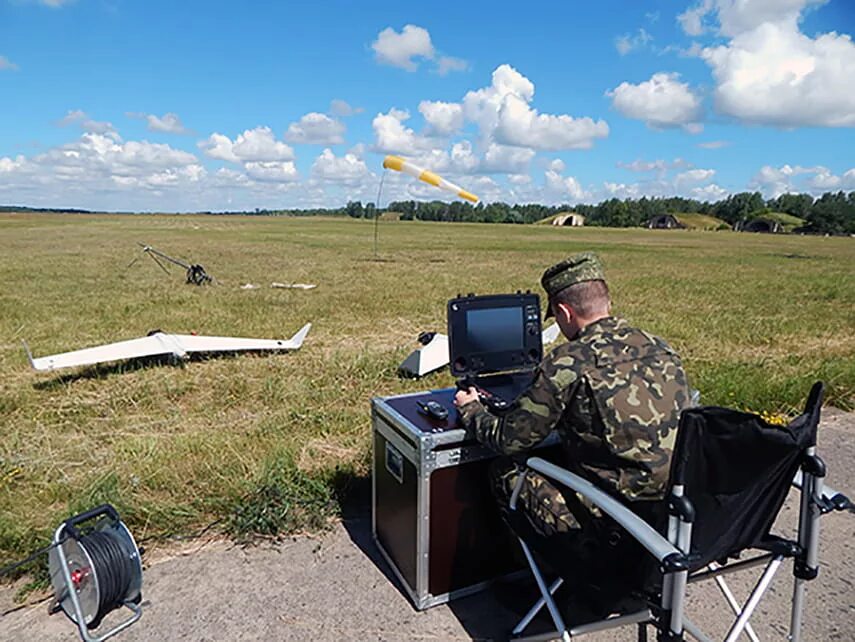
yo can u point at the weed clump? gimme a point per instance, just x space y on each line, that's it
283 499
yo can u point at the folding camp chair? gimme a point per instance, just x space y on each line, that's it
730 474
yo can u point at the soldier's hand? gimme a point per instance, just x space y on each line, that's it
463 397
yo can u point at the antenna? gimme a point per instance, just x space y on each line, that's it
195 273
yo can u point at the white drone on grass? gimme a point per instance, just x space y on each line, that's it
157 344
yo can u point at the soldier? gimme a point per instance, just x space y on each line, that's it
612 392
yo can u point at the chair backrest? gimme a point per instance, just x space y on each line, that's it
737 469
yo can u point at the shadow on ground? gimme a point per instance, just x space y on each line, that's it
488 615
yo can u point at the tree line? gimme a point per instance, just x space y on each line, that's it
831 213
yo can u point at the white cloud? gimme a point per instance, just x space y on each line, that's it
825 180
482 105
400 49
447 64
253 145
739 16
10 165
503 113
444 119
7 65
624 190
347 169
714 144
403 49
274 171
78 117
565 187
218 146
55 4
392 136
711 192
343 109
690 183
661 102
169 123
316 129
462 159
774 181
627 42
521 125
692 19
506 159
770 73
775 75
98 163
693 177
658 165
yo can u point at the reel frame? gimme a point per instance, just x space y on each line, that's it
68 530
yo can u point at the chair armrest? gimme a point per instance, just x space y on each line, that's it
668 555
831 499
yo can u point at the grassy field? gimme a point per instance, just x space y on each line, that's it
265 443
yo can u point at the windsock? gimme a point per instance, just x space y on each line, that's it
400 165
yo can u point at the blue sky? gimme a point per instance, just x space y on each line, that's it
183 106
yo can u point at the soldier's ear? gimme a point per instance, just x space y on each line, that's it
565 311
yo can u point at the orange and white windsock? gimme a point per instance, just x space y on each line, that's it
400 165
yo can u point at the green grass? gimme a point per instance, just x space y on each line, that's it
695 221
787 221
265 444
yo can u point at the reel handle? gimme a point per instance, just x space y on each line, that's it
104 509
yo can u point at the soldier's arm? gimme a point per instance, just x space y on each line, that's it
528 422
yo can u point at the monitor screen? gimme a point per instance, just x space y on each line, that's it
495 329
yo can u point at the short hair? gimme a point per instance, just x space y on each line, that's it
587 298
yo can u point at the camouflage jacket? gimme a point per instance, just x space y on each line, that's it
614 395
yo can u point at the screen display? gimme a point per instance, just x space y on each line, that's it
495 329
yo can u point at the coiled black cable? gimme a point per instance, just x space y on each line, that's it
112 567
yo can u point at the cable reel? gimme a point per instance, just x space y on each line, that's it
95 570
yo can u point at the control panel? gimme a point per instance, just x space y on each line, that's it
494 333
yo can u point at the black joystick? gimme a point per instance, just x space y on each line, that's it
484 396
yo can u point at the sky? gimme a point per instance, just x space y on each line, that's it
188 106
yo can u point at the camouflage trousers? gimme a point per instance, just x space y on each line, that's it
540 502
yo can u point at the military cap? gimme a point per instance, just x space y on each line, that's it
577 268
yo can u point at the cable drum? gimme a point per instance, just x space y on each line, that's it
104 568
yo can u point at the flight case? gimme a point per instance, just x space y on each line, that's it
434 518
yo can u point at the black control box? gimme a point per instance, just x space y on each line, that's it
494 333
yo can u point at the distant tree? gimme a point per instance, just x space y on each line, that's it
833 213
794 204
354 209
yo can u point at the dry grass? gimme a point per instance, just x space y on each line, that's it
757 318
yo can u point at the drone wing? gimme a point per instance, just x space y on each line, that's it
193 343
160 343
151 346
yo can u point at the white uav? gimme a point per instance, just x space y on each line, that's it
156 344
